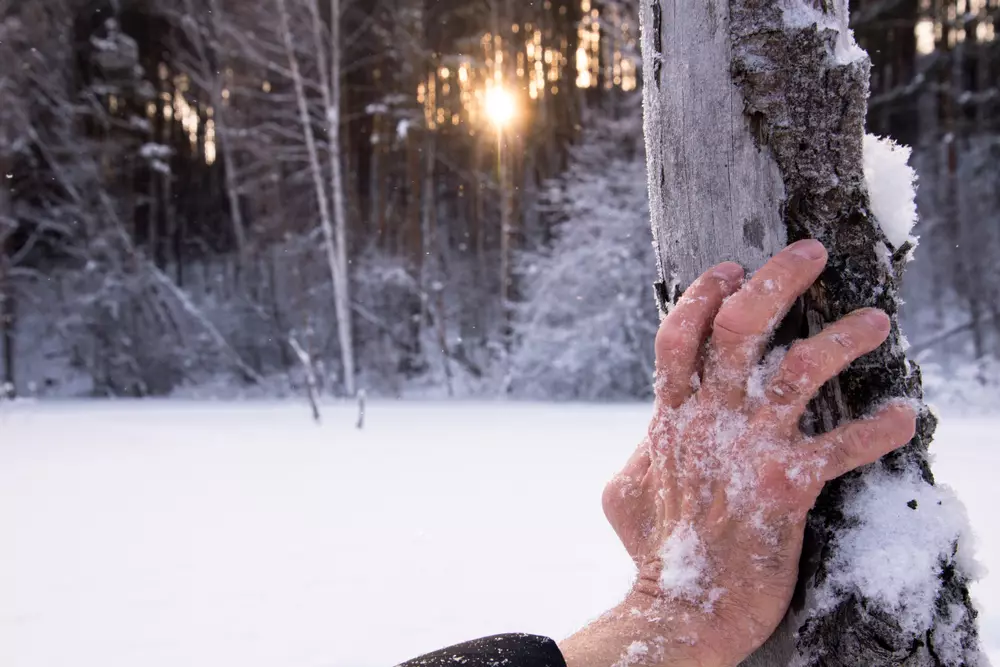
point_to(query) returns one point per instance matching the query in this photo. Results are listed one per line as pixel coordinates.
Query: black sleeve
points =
(499, 651)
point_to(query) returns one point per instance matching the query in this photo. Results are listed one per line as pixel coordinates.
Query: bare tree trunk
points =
(7, 320)
(428, 204)
(7, 228)
(213, 74)
(342, 288)
(333, 242)
(754, 125)
(506, 230)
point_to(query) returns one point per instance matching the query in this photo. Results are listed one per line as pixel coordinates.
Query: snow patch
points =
(802, 14)
(762, 374)
(892, 188)
(635, 652)
(153, 151)
(684, 563)
(403, 129)
(947, 641)
(903, 530)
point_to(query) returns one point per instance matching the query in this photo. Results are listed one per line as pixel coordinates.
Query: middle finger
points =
(746, 320)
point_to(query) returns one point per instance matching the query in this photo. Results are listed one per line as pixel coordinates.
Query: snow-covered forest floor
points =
(175, 533)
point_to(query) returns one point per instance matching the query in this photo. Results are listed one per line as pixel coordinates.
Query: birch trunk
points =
(342, 287)
(754, 123)
(332, 240)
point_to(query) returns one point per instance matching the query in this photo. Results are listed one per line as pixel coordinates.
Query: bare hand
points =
(712, 506)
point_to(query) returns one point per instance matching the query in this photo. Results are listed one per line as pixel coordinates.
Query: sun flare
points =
(500, 106)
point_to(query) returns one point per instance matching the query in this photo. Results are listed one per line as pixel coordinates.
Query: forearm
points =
(634, 634)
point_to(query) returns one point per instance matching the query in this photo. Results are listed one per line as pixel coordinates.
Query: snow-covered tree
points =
(586, 326)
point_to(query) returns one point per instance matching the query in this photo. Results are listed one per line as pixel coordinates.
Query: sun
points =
(500, 106)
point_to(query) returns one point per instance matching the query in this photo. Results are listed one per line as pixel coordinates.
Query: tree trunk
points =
(428, 222)
(334, 234)
(342, 287)
(7, 322)
(224, 138)
(506, 230)
(754, 127)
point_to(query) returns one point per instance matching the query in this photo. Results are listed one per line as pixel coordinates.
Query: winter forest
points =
(405, 197)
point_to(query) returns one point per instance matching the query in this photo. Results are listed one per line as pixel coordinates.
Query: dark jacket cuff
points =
(515, 650)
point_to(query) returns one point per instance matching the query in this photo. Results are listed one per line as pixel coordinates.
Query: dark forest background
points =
(251, 195)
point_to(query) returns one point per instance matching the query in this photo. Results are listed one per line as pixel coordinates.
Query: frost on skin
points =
(684, 564)
(764, 372)
(634, 654)
(891, 185)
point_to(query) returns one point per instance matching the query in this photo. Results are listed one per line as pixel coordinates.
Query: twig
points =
(307, 364)
(361, 408)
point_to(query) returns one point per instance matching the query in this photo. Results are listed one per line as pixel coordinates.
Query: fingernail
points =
(808, 249)
(876, 319)
(730, 272)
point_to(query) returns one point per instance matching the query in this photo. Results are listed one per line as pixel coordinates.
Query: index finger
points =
(745, 322)
(682, 334)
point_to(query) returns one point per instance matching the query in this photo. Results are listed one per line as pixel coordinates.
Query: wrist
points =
(671, 625)
(644, 630)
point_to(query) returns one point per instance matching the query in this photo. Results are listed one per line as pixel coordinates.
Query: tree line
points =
(208, 188)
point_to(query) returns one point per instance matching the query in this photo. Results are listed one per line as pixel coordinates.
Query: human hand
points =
(712, 506)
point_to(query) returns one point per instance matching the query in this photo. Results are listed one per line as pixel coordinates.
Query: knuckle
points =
(839, 461)
(613, 496)
(843, 341)
(855, 440)
(788, 388)
(786, 266)
(732, 323)
(803, 358)
(670, 338)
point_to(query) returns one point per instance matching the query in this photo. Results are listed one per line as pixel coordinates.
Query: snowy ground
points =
(218, 534)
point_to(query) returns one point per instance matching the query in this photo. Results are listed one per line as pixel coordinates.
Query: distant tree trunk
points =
(754, 128)
(7, 227)
(376, 207)
(213, 76)
(506, 232)
(342, 287)
(428, 213)
(7, 319)
(334, 230)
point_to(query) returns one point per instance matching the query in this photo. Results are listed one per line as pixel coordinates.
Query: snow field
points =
(216, 534)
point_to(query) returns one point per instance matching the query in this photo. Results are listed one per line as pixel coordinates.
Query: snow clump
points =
(892, 188)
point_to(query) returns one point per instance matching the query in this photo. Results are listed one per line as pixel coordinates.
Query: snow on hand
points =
(684, 563)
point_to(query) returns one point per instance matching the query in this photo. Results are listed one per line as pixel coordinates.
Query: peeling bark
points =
(754, 125)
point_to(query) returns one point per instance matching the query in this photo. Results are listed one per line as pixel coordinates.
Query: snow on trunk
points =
(754, 122)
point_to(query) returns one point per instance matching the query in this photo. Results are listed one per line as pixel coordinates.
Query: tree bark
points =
(754, 124)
